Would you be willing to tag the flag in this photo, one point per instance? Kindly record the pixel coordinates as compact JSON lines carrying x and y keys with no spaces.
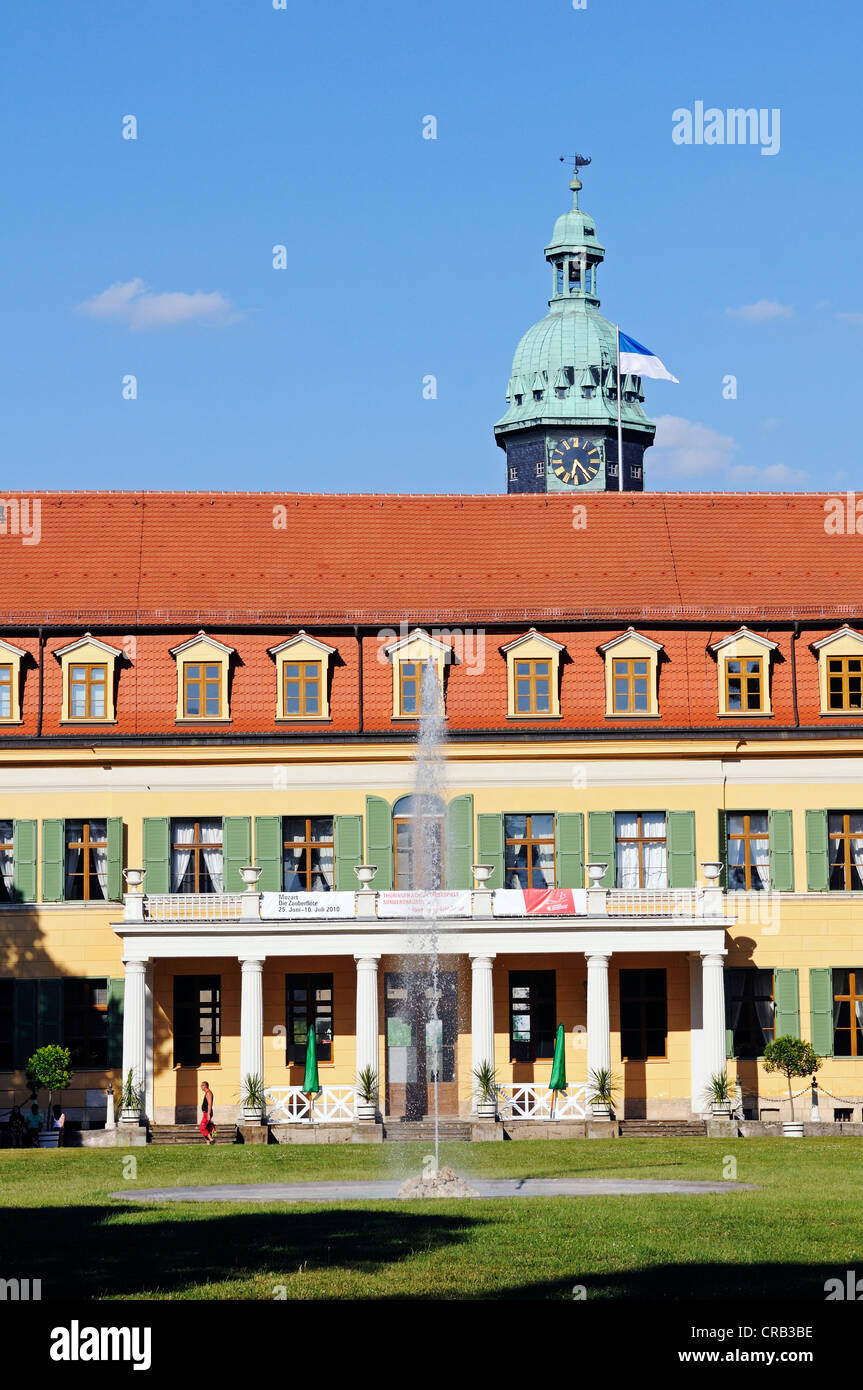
{"x":558,"y":1066}
{"x":636,"y":358}
{"x":311,"y":1084}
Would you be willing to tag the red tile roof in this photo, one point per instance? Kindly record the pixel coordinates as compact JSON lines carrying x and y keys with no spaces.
{"x":199,"y":557}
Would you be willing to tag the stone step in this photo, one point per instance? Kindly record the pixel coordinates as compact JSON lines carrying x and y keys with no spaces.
{"x":422,"y":1131}
{"x":190,"y":1134}
{"x":663,"y":1129}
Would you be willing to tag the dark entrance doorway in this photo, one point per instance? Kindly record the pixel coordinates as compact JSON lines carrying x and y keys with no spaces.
{"x":421,"y":1042}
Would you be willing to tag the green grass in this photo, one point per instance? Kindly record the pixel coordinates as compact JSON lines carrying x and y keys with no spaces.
{"x":804,"y":1225}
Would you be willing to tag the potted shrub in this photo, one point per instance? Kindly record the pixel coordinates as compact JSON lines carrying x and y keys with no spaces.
{"x":602,"y":1092}
{"x":718,"y":1094}
{"x":486,"y":1085}
{"x":792,"y":1057}
{"x":49,"y":1069}
{"x":130,"y":1101}
{"x":253,"y":1099}
{"x":367,"y":1094}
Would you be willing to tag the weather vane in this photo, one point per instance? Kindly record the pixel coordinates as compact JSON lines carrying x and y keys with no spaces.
{"x":579,"y":161}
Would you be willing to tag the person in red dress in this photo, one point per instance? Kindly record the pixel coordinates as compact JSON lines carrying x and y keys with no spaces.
{"x":207,"y":1125}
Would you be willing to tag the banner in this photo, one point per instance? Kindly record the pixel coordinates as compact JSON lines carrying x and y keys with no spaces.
{"x":319,"y":906}
{"x":540,"y":902}
{"x":455,"y":902}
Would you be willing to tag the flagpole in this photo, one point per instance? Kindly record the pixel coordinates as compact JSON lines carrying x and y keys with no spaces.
{"x":619,"y":425}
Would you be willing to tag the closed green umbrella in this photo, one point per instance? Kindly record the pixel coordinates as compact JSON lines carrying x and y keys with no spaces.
{"x":311,"y":1084}
{"x":558,"y":1067}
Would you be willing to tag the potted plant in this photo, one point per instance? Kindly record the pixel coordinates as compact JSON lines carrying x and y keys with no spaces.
{"x":718,"y":1093}
{"x":253,"y":1099}
{"x":367,"y":1094}
{"x":130,"y":1100}
{"x":486,"y":1085}
{"x":49,"y":1069}
{"x":792,"y":1057}
{"x":602,"y":1092}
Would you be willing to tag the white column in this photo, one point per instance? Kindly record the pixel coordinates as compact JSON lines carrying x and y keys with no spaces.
{"x":135,"y":1025}
{"x":251,"y":1019}
{"x":598,"y":1021}
{"x":481,"y":1016}
{"x":697,"y":1071}
{"x":149,"y":1060}
{"x":367,"y":1013}
{"x":713,"y":995}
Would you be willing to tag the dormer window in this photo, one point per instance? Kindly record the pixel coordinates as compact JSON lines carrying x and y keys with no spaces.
{"x":202,"y":679}
{"x":411,"y":657}
{"x":743,"y":665}
{"x":88,"y":680}
{"x":10,"y":683}
{"x":87,"y":690}
{"x":631,"y":676}
{"x":519,"y":399}
{"x":302,"y":666}
{"x":840,"y":671}
{"x":532,"y":676}
{"x":560,"y":392}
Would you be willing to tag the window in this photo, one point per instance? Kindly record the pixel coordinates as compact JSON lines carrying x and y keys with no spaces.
{"x":560,"y":392}
{"x":197,"y":1019}
{"x":845,"y":683}
{"x":7,"y":1024}
{"x":751,"y":1016}
{"x":848,"y":1013}
{"x":308,"y":854}
{"x":533,"y":687}
{"x":86,"y":860}
{"x":87,"y":686}
{"x":845,"y":841}
{"x":532,"y":1014}
{"x":7,"y":861}
{"x":529,"y":844}
{"x":196,"y":856}
{"x":202,"y":684}
{"x":540,"y":468}
{"x":748,"y":852}
{"x":631,"y":694}
{"x":744,"y":684}
{"x":89,"y":667}
{"x":418,"y":837}
{"x":302,"y":687}
{"x":85,"y":1021}
{"x":415,"y":659}
{"x":643,"y":1015}
{"x":641,"y":856}
{"x":5,"y":692}
{"x":308,"y":1003}
{"x":410,"y":687}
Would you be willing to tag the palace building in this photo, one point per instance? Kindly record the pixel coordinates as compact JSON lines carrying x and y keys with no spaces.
{"x":650,"y":822}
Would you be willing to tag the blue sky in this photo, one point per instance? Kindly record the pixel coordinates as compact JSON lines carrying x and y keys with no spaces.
{"x":408,"y":257}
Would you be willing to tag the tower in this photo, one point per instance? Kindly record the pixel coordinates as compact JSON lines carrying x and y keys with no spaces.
{"x":560,"y":427}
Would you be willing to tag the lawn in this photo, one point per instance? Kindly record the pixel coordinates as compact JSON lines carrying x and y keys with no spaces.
{"x":803,"y":1226}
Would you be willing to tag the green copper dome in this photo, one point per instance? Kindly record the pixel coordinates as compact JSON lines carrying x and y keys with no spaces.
{"x":564,"y":371}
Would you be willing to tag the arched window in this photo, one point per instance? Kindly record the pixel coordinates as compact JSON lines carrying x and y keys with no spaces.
{"x":418,"y":841}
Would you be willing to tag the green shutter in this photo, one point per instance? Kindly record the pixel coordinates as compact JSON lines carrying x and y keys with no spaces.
{"x":680,"y":843}
{"x":722,"y":856}
{"x":116,"y":992}
{"x":600,"y":844}
{"x":50,"y":1012}
{"x":786,"y":993}
{"x":379,"y":840}
{"x":348,"y":850}
{"x":23,"y":1022}
{"x":821,"y":1010}
{"x":729,"y":1031}
{"x":490,"y":847}
{"x":569,"y":849}
{"x":236,"y":851}
{"x":157,"y":854}
{"x":781,"y":851}
{"x":24,"y":860}
{"x":53,"y":860}
{"x":817,"y":858}
{"x":268,"y":853}
{"x":458,"y":849}
{"x":115,"y":858}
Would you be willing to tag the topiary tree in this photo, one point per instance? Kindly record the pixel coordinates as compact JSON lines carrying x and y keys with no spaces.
{"x":50,"y":1069}
{"x":792,"y":1057}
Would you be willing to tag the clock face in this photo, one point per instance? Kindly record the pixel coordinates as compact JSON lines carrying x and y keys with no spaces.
{"x":576,"y":461}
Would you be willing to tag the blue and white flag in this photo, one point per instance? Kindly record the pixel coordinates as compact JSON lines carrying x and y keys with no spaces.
{"x":640,"y":361}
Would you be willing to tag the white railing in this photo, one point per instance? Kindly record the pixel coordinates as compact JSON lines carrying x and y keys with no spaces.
{"x":185,"y":907}
{"x":287,"y":1105}
{"x":661,"y":902}
{"x":532,"y":1101}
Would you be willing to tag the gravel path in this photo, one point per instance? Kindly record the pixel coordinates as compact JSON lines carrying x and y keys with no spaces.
{"x":387,"y":1191}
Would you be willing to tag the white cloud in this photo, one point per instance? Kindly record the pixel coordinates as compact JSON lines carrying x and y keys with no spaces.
{"x":851,"y":318}
{"x":761,"y":312}
{"x":686,"y":449}
{"x":133,"y":304}
{"x":776,"y":474}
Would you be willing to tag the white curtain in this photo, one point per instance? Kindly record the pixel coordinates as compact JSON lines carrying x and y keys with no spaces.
{"x":655,"y":870}
{"x":293,"y":863}
{"x":99,"y":831}
{"x":6,"y":856}
{"x":74,"y":857}
{"x":182,"y":834}
{"x":653,"y":856}
{"x":211,"y":834}
{"x":855,"y":826}
{"x":760,"y":851}
{"x":627,"y":854}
